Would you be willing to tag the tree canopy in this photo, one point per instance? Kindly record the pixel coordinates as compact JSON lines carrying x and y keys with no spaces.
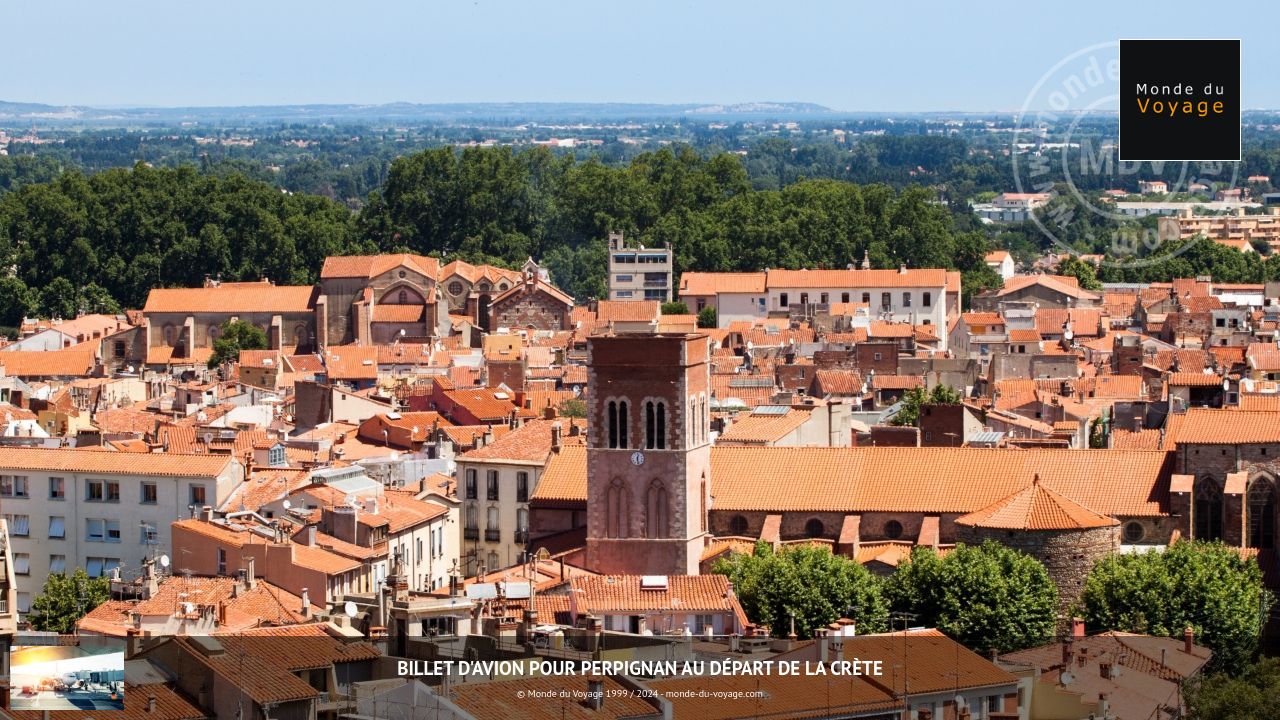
{"x":236,"y":335}
{"x":913,"y":399}
{"x":1251,"y":695}
{"x":1206,"y":586}
{"x":809,"y":585}
{"x":66,"y":598}
{"x":987,"y":597}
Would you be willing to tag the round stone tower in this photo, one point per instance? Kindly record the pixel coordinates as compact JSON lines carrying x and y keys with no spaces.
{"x":1065,"y":536}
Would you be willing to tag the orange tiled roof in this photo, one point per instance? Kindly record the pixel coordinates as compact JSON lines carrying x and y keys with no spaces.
{"x":75,"y":361}
{"x":392,"y":313}
{"x":1259,"y":403}
{"x":247,"y":297}
{"x":83,"y":461}
{"x":838,"y":382}
{"x":367,"y":266}
{"x":762,"y":429}
{"x":1065,"y":285}
{"x":886,"y":479}
{"x":1135,"y":440}
{"x":1036,"y":507}
{"x":927,"y":277}
{"x":628,"y":310}
{"x":708,"y":283}
{"x":606,"y":594}
{"x":531,"y":442}
{"x":1194,"y":379}
{"x":482,"y":403}
{"x":351,"y":362}
{"x":1209,"y":426}
{"x":896,"y":382}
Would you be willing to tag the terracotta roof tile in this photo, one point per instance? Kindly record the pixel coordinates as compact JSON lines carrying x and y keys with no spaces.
{"x":367,"y":266}
{"x":886,"y":479}
{"x":75,"y":361}
{"x":706,"y":283}
{"x":784,"y":279}
{"x":606,"y":594}
{"x":756,"y":429}
{"x":351,"y":362}
{"x":628,"y":311}
{"x":1209,"y":426}
{"x":83,"y":461}
{"x":1036,"y":507}
{"x":531,"y":442}
{"x":232,"y":298}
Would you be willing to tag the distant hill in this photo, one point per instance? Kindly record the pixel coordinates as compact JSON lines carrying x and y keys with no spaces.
{"x":16,"y":113}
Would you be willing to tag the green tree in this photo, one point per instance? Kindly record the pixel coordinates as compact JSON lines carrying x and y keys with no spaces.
{"x":1252,"y":695}
{"x":16,"y":301}
{"x":809,"y":585}
{"x":1208,"y":587}
{"x":987,"y":597}
{"x":707,"y":318}
{"x":59,"y":299}
{"x":1085,"y":272}
{"x":66,"y":598}
{"x":675,"y":308}
{"x":573,"y":408}
{"x":913,"y":399}
{"x":236,"y":335}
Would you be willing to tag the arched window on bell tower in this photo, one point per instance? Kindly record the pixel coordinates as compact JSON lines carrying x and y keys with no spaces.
{"x":616,"y":525}
{"x":624,"y":439}
{"x":657,"y":511}
{"x":655,"y":425}
{"x":611,"y":409}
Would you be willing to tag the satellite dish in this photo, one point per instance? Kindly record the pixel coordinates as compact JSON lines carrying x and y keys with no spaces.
{"x":1068,"y":334}
{"x":164,"y":561}
{"x":286,"y":504}
{"x":187,"y":608}
{"x":349,"y":608}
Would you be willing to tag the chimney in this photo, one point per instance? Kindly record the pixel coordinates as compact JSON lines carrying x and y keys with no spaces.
{"x":1104,"y":707}
{"x":1077,"y":627}
{"x":1188,"y":639}
{"x":595,"y":694}
{"x":373,"y":506}
{"x":306,"y":604}
{"x":250,"y":580}
{"x":222,"y":615}
{"x":549,"y":412}
{"x":821,"y":635}
{"x":902,"y":269}
{"x":311,"y":536}
{"x":206,"y":513}
{"x":151,"y":703}
{"x":1067,"y":652}
{"x":555,"y":437}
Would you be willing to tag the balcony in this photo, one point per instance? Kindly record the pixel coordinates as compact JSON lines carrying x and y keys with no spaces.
{"x":492,"y":535}
{"x":522,"y":537}
{"x":471,"y":533}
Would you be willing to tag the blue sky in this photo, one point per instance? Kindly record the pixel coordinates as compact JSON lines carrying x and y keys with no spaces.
{"x":855,"y":56}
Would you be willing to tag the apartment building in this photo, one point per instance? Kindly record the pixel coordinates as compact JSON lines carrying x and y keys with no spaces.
{"x":1235,"y":229}
{"x":639,"y":273}
{"x":497,"y":481}
{"x":96,"y":510}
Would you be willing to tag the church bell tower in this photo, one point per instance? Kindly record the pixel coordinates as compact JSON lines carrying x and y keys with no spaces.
{"x":648,"y":453}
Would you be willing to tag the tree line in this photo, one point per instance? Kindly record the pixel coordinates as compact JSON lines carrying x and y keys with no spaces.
{"x":992,"y":598}
{"x":100,"y":242}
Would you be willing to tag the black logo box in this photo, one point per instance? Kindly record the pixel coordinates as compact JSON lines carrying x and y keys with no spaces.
{"x":1189,"y":65}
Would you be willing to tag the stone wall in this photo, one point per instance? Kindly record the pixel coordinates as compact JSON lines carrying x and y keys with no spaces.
{"x":1068,"y":555}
